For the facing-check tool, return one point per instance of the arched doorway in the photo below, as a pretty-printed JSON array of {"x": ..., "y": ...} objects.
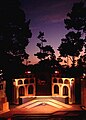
[
  {"x": 56, "y": 89},
  {"x": 65, "y": 91},
  {"x": 30, "y": 89},
  {"x": 21, "y": 91}
]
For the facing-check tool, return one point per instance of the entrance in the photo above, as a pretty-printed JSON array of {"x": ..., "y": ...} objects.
[
  {"x": 43, "y": 86},
  {"x": 21, "y": 91},
  {"x": 65, "y": 91}
]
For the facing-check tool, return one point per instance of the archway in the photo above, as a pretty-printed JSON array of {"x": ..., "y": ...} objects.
[
  {"x": 60, "y": 81},
  {"x": 65, "y": 91},
  {"x": 54, "y": 80},
  {"x": 26, "y": 81},
  {"x": 66, "y": 82},
  {"x": 56, "y": 89},
  {"x": 21, "y": 91},
  {"x": 20, "y": 82}
]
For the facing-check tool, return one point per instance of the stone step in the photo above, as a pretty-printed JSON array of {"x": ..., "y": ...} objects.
[
  {"x": 60, "y": 103},
  {"x": 28, "y": 103}
]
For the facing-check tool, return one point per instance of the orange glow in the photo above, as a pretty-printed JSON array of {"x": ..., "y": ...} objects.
[
  {"x": 44, "y": 104},
  {"x": 56, "y": 72},
  {"x": 28, "y": 72},
  {"x": 6, "y": 106}
]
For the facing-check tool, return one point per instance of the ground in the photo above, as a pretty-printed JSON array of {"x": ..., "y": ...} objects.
[{"x": 44, "y": 108}]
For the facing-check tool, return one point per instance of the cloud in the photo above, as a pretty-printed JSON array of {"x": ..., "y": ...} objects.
[
  {"x": 55, "y": 11},
  {"x": 55, "y": 18},
  {"x": 47, "y": 10}
]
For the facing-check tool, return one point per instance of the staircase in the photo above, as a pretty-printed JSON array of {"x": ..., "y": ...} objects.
[{"x": 44, "y": 100}]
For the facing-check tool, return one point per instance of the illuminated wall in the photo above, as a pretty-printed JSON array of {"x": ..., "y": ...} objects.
[
  {"x": 23, "y": 87},
  {"x": 64, "y": 87},
  {"x": 4, "y": 105},
  {"x": 61, "y": 87}
]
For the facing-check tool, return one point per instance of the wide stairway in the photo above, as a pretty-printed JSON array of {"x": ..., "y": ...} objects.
[{"x": 44, "y": 100}]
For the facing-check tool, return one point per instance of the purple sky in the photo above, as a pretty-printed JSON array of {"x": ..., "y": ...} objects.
[{"x": 46, "y": 16}]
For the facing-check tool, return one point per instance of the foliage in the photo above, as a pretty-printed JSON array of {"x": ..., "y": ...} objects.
[
  {"x": 14, "y": 32},
  {"x": 73, "y": 43},
  {"x": 76, "y": 19},
  {"x": 14, "y": 37},
  {"x": 82, "y": 64},
  {"x": 46, "y": 66},
  {"x": 45, "y": 51}
]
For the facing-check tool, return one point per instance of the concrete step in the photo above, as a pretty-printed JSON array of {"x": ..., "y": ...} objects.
[
  {"x": 33, "y": 105},
  {"x": 60, "y": 103},
  {"x": 28, "y": 103},
  {"x": 43, "y": 101},
  {"x": 54, "y": 104}
]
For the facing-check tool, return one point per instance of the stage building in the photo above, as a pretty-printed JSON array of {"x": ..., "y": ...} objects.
[{"x": 62, "y": 89}]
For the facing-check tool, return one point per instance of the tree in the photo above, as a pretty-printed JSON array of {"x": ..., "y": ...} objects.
[
  {"x": 71, "y": 45},
  {"x": 76, "y": 19},
  {"x": 14, "y": 37},
  {"x": 14, "y": 32},
  {"x": 82, "y": 64},
  {"x": 45, "y": 51}
]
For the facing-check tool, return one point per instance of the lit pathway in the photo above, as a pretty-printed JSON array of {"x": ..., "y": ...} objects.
[
  {"x": 41, "y": 106},
  {"x": 43, "y": 101}
]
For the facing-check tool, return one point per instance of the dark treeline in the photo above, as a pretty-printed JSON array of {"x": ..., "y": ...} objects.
[{"x": 14, "y": 34}]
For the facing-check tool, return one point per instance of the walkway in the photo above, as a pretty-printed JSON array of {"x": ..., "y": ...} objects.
[{"x": 43, "y": 107}]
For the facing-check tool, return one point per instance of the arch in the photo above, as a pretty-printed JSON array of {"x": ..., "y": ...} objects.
[
  {"x": 65, "y": 91},
  {"x": 30, "y": 89},
  {"x": 26, "y": 81},
  {"x": 21, "y": 91},
  {"x": 56, "y": 89},
  {"x": 20, "y": 82},
  {"x": 54, "y": 80},
  {"x": 60, "y": 81},
  {"x": 31, "y": 80},
  {"x": 66, "y": 81}
]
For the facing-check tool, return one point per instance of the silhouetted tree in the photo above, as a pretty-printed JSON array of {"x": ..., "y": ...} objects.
[
  {"x": 82, "y": 60},
  {"x": 82, "y": 64},
  {"x": 45, "y": 51},
  {"x": 14, "y": 37},
  {"x": 71, "y": 45},
  {"x": 14, "y": 32},
  {"x": 76, "y": 19}
]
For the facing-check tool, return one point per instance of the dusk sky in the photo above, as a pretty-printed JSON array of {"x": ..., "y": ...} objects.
[{"x": 46, "y": 16}]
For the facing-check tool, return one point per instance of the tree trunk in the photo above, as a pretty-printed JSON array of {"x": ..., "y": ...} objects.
[{"x": 73, "y": 63}]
